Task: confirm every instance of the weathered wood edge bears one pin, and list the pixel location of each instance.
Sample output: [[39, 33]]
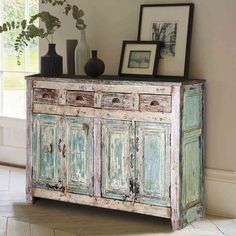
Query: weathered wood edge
[[153, 210], [29, 102], [97, 157], [175, 151]]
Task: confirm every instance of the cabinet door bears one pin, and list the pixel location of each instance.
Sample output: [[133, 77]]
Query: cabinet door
[[79, 153], [117, 156], [153, 163], [46, 156]]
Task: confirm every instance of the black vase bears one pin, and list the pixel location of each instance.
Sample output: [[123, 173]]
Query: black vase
[[51, 63], [70, 53], [95, 66]]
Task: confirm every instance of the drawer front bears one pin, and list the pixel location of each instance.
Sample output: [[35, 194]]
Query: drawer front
[[155, 103], [121, 101], [80, 99], [47, 96]]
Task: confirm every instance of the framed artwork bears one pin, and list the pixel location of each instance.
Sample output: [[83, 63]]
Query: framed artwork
[[170, 24], [139, 58]]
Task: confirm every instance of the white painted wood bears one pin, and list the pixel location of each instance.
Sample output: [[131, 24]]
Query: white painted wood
[[97, 157], [104, 203], [103, 113], [175, 162]]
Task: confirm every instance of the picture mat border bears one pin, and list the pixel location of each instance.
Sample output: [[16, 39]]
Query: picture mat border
[[155, 62], [189, 34]]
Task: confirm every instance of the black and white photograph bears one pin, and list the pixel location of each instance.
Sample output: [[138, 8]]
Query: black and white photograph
[[139, 59], [171, 25], [165, 32]]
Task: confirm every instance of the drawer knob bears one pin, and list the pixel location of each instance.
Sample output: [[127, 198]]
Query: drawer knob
[[79, 98], [154, 103], [115, 100]]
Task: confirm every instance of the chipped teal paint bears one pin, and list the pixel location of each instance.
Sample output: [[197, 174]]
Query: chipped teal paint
[[117, 147], [80, 155], [47, 161], [192, 169], [192, 109], [153, 163], [192, 163]]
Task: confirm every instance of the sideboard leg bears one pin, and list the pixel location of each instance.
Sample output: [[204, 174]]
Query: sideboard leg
[[30, 199], [176, 224]]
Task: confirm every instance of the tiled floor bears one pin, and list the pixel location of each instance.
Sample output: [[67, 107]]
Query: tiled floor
[[51, 218]]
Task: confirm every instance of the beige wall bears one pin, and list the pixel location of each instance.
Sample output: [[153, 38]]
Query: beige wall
[[213, 58]]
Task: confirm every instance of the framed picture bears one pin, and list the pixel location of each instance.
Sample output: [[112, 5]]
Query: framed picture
[[170, 24], [139, 58]]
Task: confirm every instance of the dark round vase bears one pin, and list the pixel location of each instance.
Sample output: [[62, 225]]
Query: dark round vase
[[95, 66], [51, 63]]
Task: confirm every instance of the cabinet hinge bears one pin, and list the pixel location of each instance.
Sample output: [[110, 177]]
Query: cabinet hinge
[[32, 172], [169, 191]]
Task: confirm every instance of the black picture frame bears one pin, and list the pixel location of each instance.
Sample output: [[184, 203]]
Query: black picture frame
[[185, 63], [139, 47]]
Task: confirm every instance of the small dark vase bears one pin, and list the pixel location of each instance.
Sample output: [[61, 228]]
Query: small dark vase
[[51, 63], [95, 66]]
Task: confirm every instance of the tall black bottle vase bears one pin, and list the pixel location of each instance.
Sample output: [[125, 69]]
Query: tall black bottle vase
[[51, 63], [70, 53]]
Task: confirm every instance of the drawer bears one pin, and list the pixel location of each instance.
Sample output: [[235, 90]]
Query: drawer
[[80, 99], [123, 101], [155, 103], [47, 96]]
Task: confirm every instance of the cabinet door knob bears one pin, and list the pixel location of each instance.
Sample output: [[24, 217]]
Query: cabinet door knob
[[59, 145]]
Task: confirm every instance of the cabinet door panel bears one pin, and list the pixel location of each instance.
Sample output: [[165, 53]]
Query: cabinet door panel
[[46, 157], [117, 149], [79, 155], [192, 169], [153, 163]]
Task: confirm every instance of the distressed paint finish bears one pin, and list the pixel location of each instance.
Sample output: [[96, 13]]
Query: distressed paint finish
[[117, 154], [191, 169], [80, 99], [117, 101], [153, 163], [192, 114], [155, 103], [118, 186], [192, 163], [79, 155], [46, 157], [44, 95]]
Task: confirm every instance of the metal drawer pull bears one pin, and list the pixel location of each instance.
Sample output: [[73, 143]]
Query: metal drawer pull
[[79, 98], [154, 103], [45, 95], [115, 100], [64, 151], [59, 145]]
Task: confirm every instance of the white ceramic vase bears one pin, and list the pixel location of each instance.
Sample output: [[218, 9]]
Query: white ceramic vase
[[82, 54]]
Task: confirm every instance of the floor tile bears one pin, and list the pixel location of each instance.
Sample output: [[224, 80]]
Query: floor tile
[[17, 228], [37, 230]]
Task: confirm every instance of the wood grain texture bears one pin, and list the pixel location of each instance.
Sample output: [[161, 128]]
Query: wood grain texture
[[45, 95], [80, 99], [145, 209], [121, 101], [155, 103]]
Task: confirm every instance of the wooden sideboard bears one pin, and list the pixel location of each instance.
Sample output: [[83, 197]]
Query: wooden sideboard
[[124, 144]]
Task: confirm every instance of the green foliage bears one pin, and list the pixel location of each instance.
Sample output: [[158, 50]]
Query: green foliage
[[26, 31]]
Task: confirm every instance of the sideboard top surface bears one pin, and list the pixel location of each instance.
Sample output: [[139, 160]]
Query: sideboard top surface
[[116, 80]]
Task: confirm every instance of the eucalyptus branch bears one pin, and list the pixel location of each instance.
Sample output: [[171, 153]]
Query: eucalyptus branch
[[77, 13]]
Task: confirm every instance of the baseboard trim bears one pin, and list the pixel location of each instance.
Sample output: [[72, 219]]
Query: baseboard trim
[[220, 192], [12, 165]]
